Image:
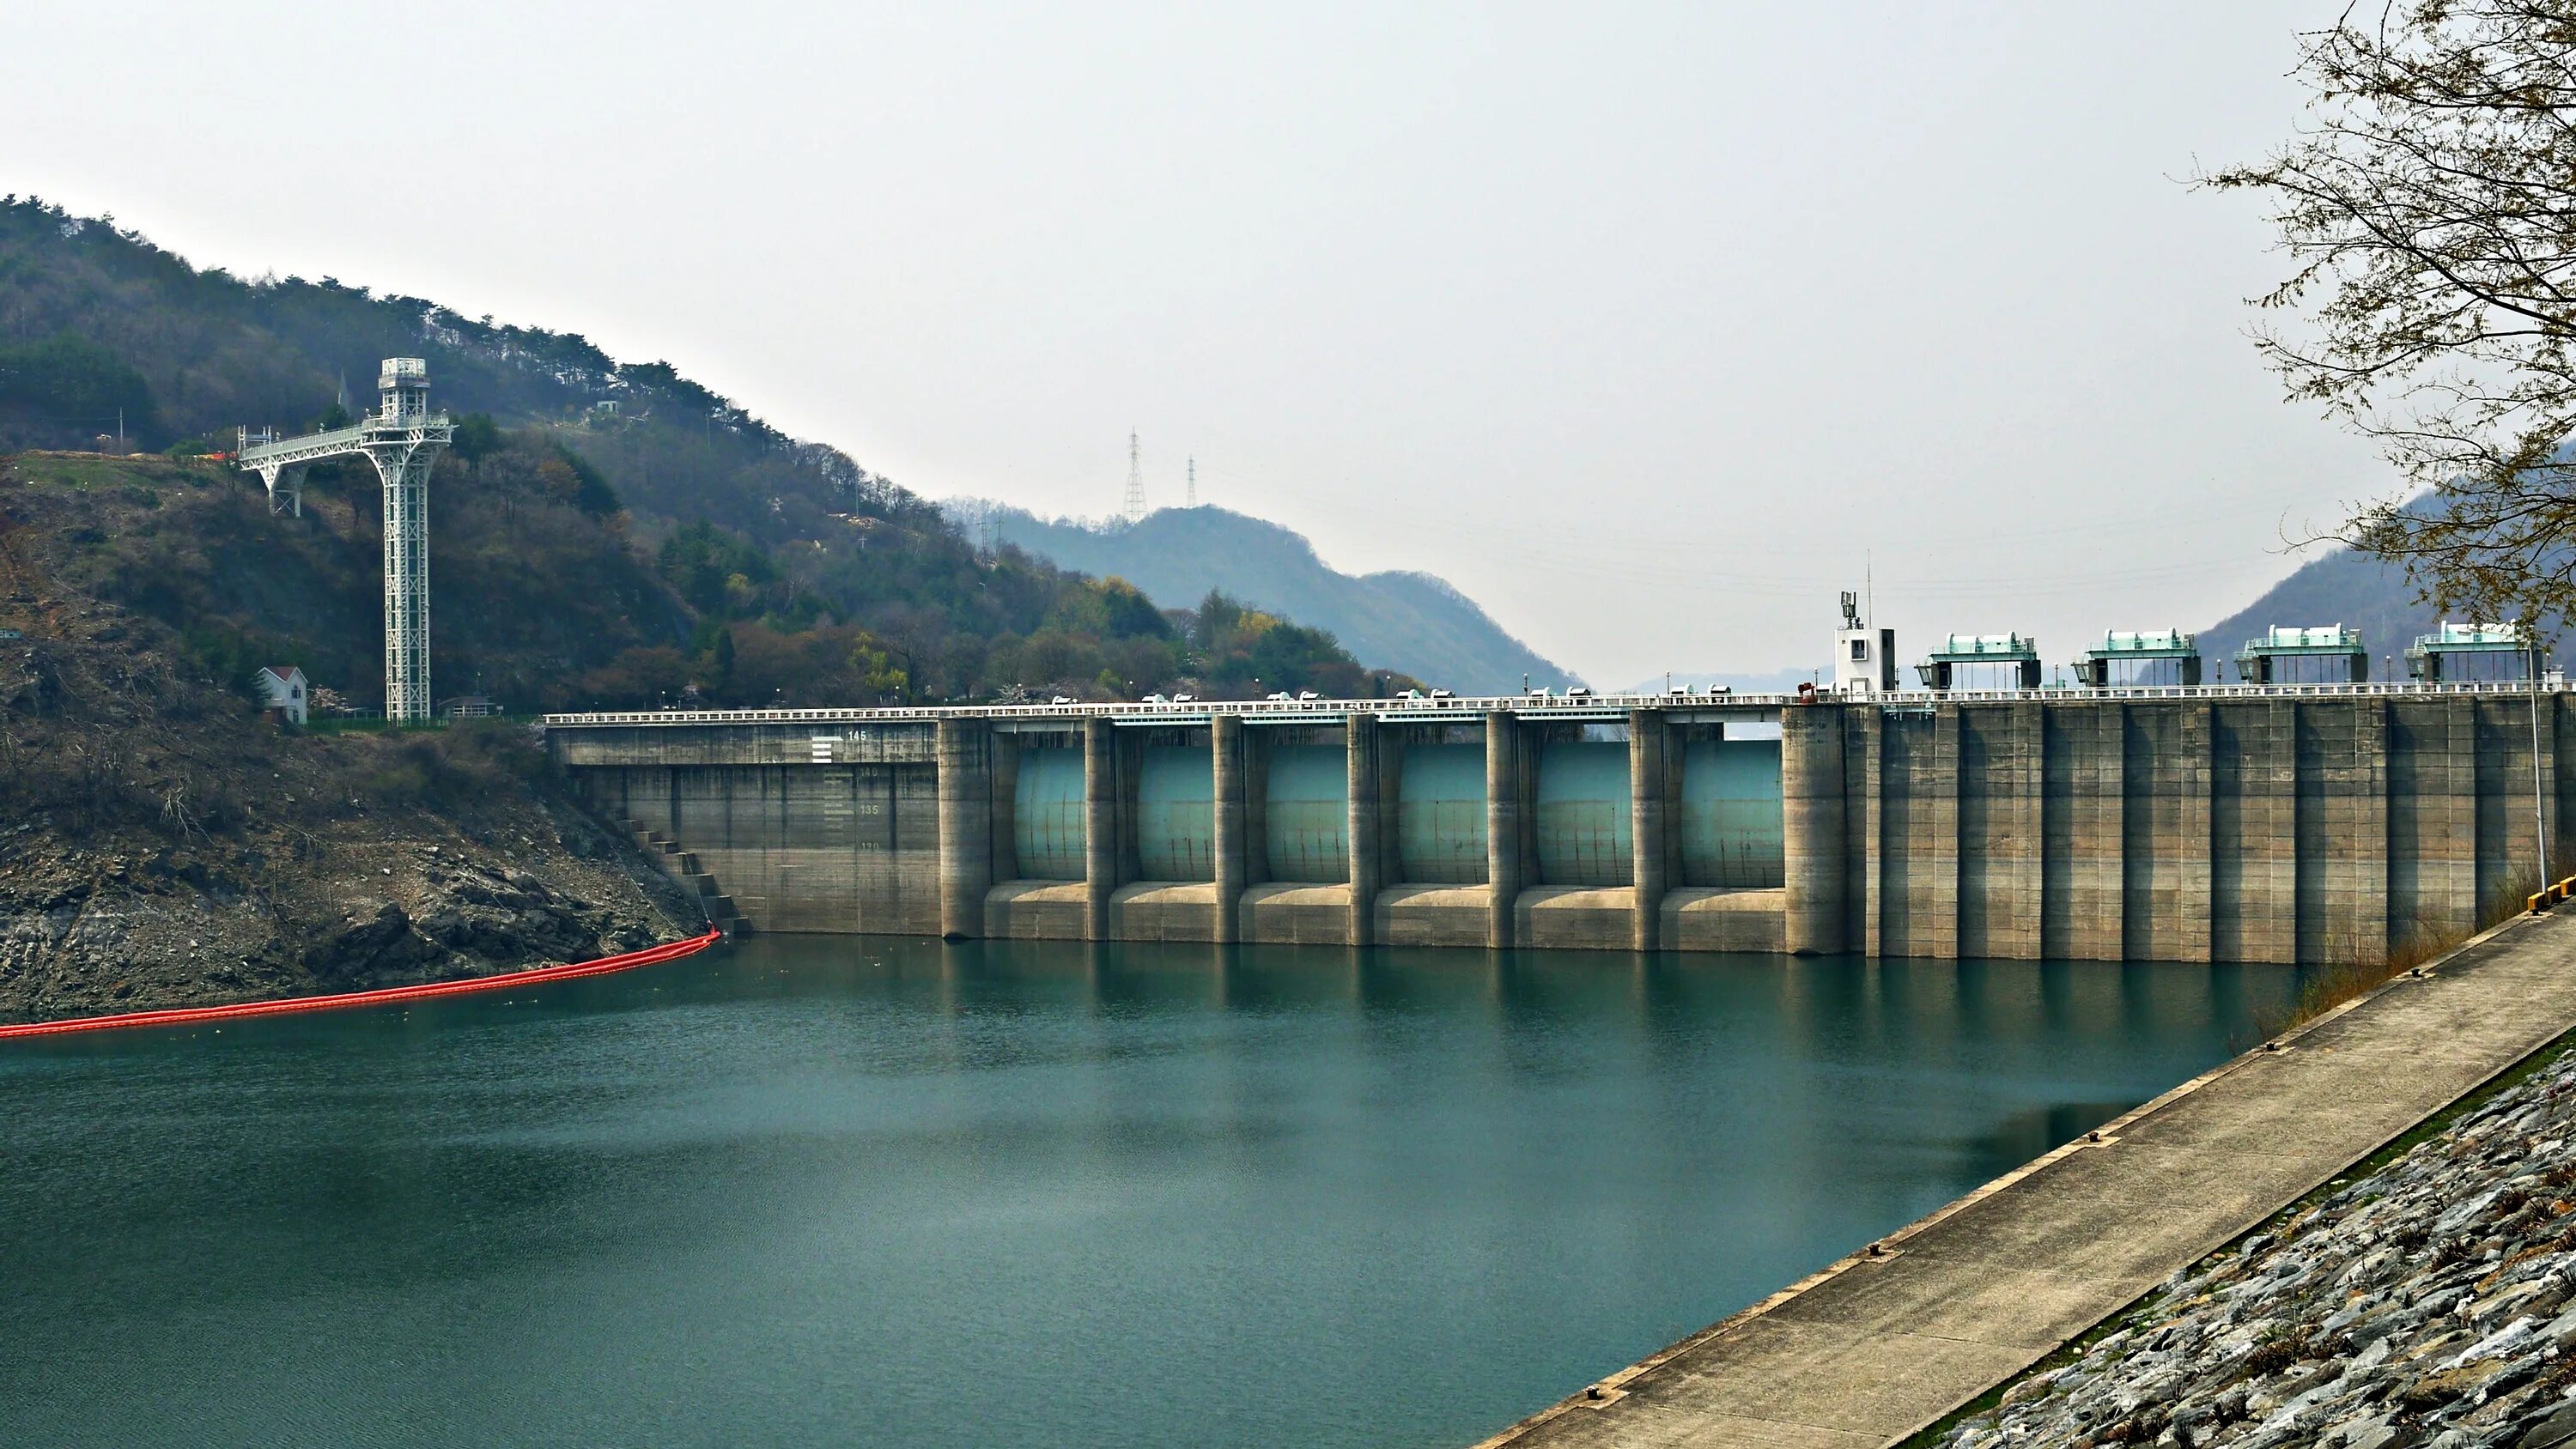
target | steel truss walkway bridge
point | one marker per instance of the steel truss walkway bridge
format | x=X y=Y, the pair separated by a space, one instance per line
x=401 y=438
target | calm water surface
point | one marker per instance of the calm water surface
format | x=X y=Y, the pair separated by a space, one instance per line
x=869 y=1192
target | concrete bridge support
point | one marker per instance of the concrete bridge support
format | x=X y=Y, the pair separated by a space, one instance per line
x=1506 y=813
x=1100 y=812
x=1650 y=795
x=1367 y=839
x=1815 y=860
x=1230 y=818
x=965 y=764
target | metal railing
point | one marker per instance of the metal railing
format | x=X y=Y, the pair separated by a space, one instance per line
x=1557 y=706
x=338 y=439
x=1552 y=706
x=311 y=446
x=2232 y=691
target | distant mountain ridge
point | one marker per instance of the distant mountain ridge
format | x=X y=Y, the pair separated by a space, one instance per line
x=1414 y=622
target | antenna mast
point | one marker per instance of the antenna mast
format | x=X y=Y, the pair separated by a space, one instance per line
x=1135 y=509
x=1194 y=482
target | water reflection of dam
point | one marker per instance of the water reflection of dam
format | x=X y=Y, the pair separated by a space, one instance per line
x=1839 y=1008
x=2247 y=824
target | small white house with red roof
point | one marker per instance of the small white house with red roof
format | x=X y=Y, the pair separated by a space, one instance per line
x=287 y=694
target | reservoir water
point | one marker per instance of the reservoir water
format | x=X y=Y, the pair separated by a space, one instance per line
x=859 y=1191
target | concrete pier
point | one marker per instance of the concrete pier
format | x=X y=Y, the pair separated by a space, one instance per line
x=2262 y=824
x=1367 y=842
x=1506 y=786
x=1816 y=861
x=965 y=786
x=1650 y=790
x=1100 y=801
x=1232 y=862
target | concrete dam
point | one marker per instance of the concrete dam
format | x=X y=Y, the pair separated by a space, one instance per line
x=2270 y=823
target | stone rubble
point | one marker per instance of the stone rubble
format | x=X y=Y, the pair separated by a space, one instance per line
x=2427 y=1304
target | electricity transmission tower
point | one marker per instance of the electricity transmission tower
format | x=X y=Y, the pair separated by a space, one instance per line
x=1135 y=509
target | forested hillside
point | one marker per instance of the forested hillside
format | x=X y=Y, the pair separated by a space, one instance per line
x=2343 y=587
x=603 y=533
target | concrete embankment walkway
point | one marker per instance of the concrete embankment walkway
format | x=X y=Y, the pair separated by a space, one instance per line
x=1873 y=1349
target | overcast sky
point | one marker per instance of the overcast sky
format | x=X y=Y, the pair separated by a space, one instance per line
x=1645 y=325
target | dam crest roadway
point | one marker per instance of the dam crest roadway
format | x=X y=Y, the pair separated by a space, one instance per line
x=2291 y=823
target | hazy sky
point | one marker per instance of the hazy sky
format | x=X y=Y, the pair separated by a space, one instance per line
x=1642 y=324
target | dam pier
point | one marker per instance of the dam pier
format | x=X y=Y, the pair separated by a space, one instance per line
x=2314 y=823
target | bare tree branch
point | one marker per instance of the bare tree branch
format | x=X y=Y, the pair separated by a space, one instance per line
x=2429 y=213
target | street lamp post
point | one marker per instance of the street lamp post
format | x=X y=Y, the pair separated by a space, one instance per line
x=2539 y=803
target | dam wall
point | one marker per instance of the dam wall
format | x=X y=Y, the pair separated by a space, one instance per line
x=2276 y=823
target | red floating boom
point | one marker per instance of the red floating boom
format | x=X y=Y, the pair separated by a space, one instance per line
x=191 y=1015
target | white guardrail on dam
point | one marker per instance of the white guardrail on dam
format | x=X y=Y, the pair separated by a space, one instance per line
x=1537 y=706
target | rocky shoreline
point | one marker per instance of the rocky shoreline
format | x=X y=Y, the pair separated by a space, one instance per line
x=381 y=904
x=2426 y=1303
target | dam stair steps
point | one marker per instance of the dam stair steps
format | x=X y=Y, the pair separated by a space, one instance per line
x=682 y=865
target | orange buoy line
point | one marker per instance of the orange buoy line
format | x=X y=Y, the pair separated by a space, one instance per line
x=191 y=1015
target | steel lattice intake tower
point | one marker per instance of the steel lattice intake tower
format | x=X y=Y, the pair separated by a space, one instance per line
x=402 y=438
